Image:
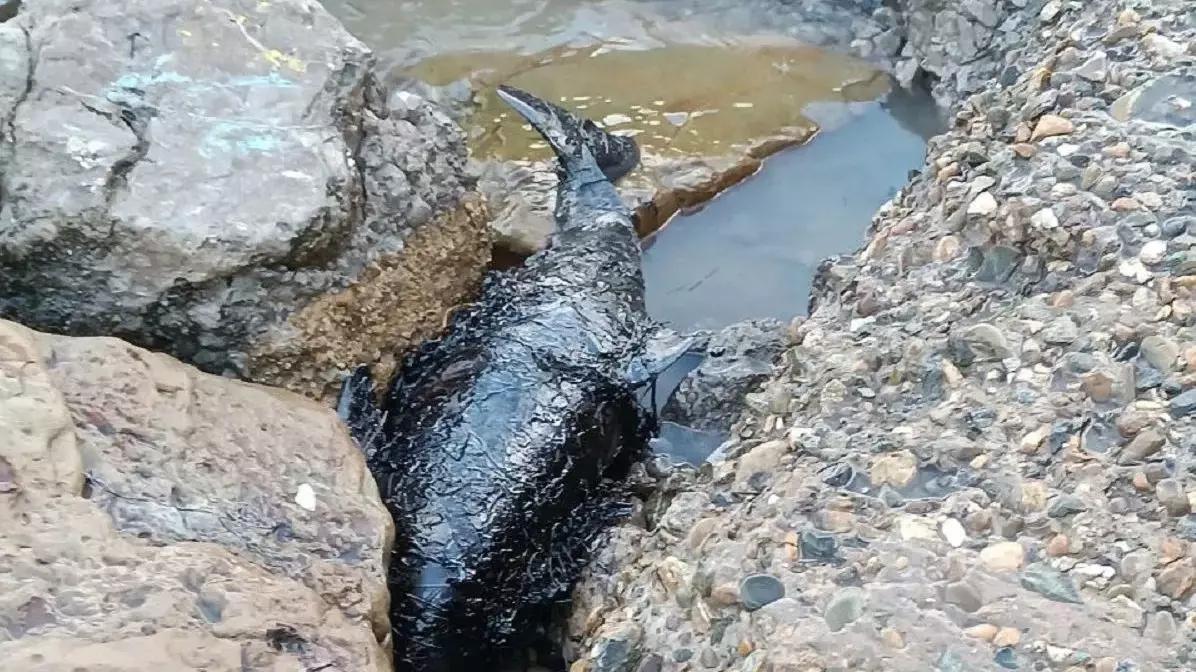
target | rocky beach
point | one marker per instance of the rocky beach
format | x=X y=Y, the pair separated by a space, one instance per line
x=975 y=452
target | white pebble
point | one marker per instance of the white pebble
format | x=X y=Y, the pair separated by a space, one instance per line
x=983 y=205
x=306 y=497
x=1133 y=269
x=1153 y=252
x=1045 y=219
x=953 y=532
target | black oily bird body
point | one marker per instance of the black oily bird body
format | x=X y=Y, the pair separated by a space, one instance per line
x=492 y=446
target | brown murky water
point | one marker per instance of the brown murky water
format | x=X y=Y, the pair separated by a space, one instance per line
x=677 y=100
x=679 y=88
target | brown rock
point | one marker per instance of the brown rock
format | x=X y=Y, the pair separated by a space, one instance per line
x=835 y=521
x=1172 y=549
x=1057 y=546
x=1098 y=386
x=764 y=458
x=895 y=469
x=1025 y=150
x=171 y=555
x=700 y=532
x=949 y=171
x=1118 y=150
x=1004 y=556
x=946 y=249
x=725 y=594
x=1176 y=580
x=892 y=638
x=1034 y=496
x=1007 y=637
x=982 y=631
x=1131 y=422
x=1125 y=204
x=1141 y=482
x=1051 y=125
x=1145 y=444
x=979 y=521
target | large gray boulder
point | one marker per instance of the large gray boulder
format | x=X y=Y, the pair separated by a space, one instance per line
x=227 y=182
x=735 y=361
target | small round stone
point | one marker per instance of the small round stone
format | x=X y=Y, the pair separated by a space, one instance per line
x=757 y=590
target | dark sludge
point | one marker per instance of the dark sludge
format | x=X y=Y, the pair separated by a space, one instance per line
x=494 y=446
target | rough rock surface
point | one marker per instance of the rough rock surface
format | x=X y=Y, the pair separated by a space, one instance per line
x=153 y=517
x=735 y=361
x=978 y=456
x=201 y=178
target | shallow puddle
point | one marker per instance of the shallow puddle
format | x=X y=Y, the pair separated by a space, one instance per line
x=753 y=251
x=678 y=100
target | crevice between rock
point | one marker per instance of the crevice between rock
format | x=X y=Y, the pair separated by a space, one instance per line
x=6 y=153
x=118 y=174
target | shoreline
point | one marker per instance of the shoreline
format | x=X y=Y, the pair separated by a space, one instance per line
x=976 y=454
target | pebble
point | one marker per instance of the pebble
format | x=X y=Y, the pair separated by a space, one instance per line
x=1095 y=69
x=1060 y=331
x=1124 y=611
x=1161 y=352
x=835 y=521
x=845 y=607
x=1176 y=580
x=896 y=469
x=700 y=531
x=1007 y=636
x=1144 y=445
x=1050 y=583
x=757 y=590
x=305 y=497
x=1051 y=125
x=892 y=638
x=1057 y=546
x=1171 y=495
x=763 y=459
x=1153 y=252
x=1006 y=657
x=987 y=343
x=916 y=527
x=963 y=595
x=953 y=532
x=1162 y=46
x=1183 y=405
x=1004 y=556
x=1024 y=150
x=1136 y=565
x=818 y=547
x=983 y=631
x=1045 y=219
x=984 y=205
x=1050 y=11
x=1065 y=505
x=1125 y=204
